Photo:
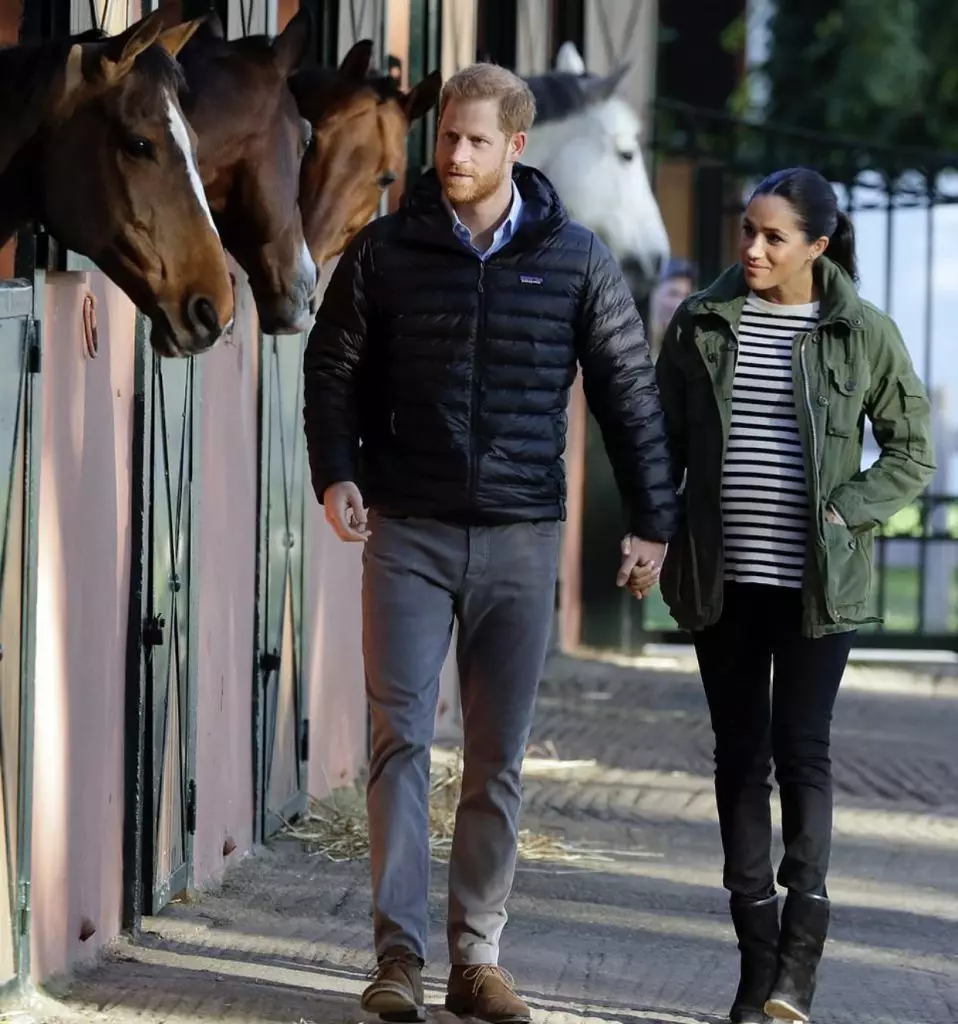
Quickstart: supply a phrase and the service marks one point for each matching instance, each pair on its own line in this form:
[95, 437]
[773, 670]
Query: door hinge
[33, 352]
[304, 740]
[269, 661]
[191, 807]
[24, 908]
[153, 631]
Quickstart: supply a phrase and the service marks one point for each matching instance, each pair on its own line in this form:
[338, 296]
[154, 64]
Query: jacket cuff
[659, 529]
[331, 471]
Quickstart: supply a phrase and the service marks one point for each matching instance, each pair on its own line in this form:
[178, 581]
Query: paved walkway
[637, 930]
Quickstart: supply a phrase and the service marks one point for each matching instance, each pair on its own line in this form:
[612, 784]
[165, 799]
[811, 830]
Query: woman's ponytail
[841, 246]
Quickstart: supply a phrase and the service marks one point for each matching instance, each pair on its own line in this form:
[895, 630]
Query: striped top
[764, 496]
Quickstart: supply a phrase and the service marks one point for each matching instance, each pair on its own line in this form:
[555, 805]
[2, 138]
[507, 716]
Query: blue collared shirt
[503, 234]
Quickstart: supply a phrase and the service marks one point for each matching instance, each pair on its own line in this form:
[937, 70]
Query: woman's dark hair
[816, 207]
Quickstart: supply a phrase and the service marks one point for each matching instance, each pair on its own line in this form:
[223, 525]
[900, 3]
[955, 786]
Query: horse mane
[158, 67]
[560, 94]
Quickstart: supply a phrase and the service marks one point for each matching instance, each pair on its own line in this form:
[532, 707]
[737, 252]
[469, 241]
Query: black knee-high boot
[804, 927]
[756, 925]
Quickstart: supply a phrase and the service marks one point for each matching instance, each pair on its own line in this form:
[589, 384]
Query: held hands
[345, 511]
[641, 565]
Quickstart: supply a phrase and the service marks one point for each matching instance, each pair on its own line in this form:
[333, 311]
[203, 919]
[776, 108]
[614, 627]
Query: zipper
[720, 400]
[811, 424]
[816, 475]
[476, 384]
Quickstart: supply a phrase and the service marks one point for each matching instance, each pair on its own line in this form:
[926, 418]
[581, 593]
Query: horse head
[360, 124]
[252, 140]
[111, 172]
[587, 140]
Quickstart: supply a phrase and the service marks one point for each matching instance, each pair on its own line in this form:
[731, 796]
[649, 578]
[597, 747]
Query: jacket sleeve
[331, 368]
[620, 388]
[897, 405]
[671, 381]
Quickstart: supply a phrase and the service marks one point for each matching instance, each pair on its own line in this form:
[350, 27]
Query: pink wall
[82, 593]
[332, 654]
[226, 576]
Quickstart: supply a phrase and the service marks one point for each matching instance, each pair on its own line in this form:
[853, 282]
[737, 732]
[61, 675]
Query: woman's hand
[833, 516]
[642, 579]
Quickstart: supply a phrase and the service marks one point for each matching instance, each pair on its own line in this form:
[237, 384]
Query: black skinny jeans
[761, 627]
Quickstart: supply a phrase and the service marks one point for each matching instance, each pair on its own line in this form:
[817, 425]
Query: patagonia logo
[530, 279]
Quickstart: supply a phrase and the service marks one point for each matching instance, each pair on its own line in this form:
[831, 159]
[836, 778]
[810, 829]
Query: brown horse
[94, 145]
[251, 144]
[360, 124]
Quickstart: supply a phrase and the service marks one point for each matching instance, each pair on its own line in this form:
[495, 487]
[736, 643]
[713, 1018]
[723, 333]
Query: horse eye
[386, 179]
[626, 155]
[139, 147]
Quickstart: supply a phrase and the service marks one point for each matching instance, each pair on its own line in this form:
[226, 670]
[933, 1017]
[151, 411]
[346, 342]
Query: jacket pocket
[848, 573]
[917, 415]
[845, 402]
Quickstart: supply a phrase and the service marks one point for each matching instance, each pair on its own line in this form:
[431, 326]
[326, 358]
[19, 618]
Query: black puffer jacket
[455, 374]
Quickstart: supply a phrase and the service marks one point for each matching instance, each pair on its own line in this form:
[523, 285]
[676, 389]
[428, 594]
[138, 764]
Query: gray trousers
[499, 583]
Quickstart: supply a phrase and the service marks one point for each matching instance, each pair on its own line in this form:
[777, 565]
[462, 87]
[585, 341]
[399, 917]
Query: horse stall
[173, 604]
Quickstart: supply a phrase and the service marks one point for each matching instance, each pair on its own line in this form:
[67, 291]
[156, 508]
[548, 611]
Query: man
[675, 285]
[446, 344]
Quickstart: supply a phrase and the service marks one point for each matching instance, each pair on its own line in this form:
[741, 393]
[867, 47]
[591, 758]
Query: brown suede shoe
[396, 993]
[487, 992]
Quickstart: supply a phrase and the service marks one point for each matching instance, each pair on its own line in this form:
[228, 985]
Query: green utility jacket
[852, 365]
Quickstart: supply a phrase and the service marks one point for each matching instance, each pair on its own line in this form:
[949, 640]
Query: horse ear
[422, 97]
[603, 88]
[213, 24]
[356, 63]
[174, 39]
[119, 52]
[290, 46]
[94, 66]
[569, 60]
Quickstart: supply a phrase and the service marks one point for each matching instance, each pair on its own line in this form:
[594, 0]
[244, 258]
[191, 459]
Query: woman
[766, 378]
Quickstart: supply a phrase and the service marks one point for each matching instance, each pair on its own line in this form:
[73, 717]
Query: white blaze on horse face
[309, 272]
[181, 137]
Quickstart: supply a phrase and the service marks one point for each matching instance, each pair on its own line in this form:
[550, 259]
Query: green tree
[855, 67]
[935, 124]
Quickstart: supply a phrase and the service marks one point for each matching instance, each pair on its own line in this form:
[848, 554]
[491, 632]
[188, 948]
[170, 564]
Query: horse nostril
[202, 314]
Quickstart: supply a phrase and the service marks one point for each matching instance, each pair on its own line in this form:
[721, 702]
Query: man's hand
[345, 511]
[646, 555]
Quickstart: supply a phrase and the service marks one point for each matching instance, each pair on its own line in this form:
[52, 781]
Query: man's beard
[475, 188]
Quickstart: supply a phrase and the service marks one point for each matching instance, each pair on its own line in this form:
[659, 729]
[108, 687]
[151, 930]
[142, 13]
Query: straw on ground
[336, 827]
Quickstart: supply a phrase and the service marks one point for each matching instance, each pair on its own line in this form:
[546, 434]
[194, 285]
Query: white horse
[586, 140]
